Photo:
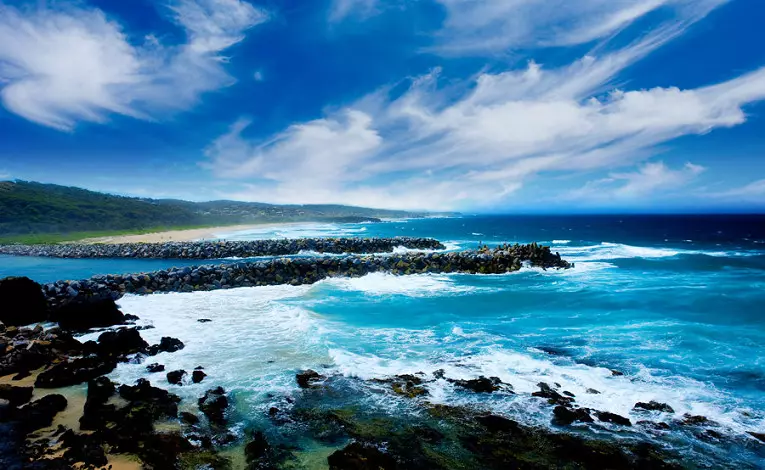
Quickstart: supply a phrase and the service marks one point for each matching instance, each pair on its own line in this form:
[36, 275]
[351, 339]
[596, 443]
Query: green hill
[36, 211]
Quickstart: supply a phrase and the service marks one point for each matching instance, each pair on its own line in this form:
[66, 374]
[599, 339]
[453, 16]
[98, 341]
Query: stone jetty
[223, 249]
[297, 271]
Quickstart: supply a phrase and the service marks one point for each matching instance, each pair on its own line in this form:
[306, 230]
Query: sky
[468, 105]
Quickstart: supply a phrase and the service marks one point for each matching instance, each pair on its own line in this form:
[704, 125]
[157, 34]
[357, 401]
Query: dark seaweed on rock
[222, 249]
[297, 271]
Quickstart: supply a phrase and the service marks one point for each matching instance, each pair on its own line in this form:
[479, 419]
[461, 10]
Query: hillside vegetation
[29, 209]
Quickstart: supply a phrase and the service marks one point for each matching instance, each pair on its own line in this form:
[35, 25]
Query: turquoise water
[676, 304]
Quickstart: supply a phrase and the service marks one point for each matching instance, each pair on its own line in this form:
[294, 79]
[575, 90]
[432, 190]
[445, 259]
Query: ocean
[675, 303]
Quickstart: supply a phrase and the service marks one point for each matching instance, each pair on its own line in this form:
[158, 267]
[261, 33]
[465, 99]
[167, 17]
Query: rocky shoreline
[150, 423]
[298, 271]
[222, 249]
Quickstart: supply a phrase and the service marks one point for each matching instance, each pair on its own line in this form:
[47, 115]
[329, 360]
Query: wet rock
[74, 372]
[121, 342]
[356, 456]
[565, 416]
[162, 402]
[552, 396]
[87, 314]
[204, 320]
[16, 395]
[197, 376]
[498, 423]
[307, 378]
[166, 344]
[695, 420]
[653, 406]
[592, 391]
[481, 384]
[153, 368]
[607, 417]
[659, 426]
[87, 449]
[757, 435]
[22, 302]
[258, 449]
[176, 377]
[163, 450]
[94, 413]
[39, 413]
[189, 418]
[616, 373]
[214, 404]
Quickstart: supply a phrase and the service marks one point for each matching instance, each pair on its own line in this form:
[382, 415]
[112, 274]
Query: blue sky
[501, 105]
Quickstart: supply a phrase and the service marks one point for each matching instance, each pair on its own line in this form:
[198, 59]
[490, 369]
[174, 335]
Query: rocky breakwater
[223, 249]
[297, 271]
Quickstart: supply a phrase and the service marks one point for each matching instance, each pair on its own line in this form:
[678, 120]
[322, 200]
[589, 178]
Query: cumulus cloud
[64, 64]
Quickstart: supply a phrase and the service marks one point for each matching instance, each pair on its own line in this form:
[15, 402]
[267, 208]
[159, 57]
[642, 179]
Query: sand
[210, 233]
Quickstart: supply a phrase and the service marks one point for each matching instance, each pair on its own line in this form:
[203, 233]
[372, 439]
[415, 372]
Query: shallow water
[676, 304]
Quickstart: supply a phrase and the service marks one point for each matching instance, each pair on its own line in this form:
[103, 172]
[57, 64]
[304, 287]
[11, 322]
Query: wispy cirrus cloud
[360, 9]
[68, 63]
[473, 143]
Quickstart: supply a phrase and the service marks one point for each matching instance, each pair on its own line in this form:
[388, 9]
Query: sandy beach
[208, 233]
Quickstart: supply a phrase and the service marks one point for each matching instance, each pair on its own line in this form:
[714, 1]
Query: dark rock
[553, 397]
[152, 368]
[204, 320]
[82, 316]
[22, 302]
[691, 420]
[189, 418]
[163, 450]
[39, 414]
[16, 395]
[258, 449]
[197, 376]
[592, 391]
[131, 318]
[660, 425]
[213, 404]
[99, 392]
[616, 373]
[498, 423]
[568, 394]
[75, 372]
[121, 342]
[356, 456]
[176, 377]
[564, 416]
[607, 417]
[307, 378]
[653, 406]
[757, 435]
[87, 449]
[481, 384]
[166, 344]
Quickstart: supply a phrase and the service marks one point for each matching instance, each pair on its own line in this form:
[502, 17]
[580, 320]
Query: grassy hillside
[36, 211]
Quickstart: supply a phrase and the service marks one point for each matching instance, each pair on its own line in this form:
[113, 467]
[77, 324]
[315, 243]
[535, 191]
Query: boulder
[189, 418]
[607, 417]
[16, 396]
[563, 416]
[307, 378]
[552, 396]
[481, 384]
[258, 449]
[39, 414]
[153, 368]
[22, 302]
[121, 342]
[84, 449]
[82, 316]
[357, 456]
[214, 404]
[176, 377]
[654, 406]
[757, 435]
[166, 344]
[75, 371]
[197, 376]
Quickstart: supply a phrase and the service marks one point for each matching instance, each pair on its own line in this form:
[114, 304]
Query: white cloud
[342, 9]
[496, 26]
[647, 182]
[63, 65]
[4, 176]
[258, 76]
[754, 191]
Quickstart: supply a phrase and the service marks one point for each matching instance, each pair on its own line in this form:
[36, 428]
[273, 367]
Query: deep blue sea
[676, 303]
